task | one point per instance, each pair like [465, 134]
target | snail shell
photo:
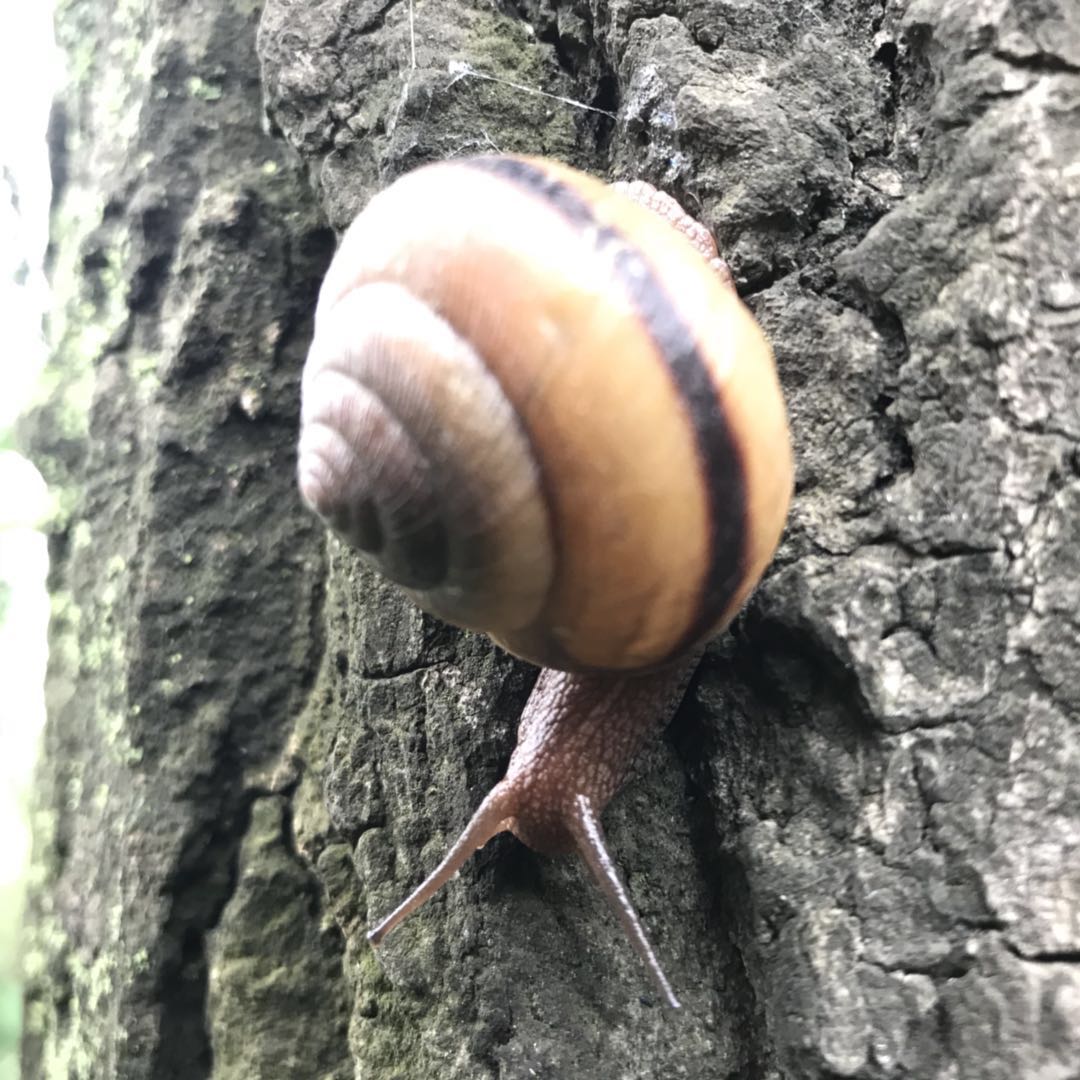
[532, 403]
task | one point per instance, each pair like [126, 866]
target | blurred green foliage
[14, 788]
[10, 1023]
[11, 909]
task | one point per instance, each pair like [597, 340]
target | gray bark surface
[174, 923]
[857, 848]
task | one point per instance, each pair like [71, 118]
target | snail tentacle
[577, 737]
[589, 838]
[488, 821]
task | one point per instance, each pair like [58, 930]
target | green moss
[81, 536]
[114, 729]
[143, 368]
[248, 8]
[270, 958]
[90, 309]
[65, 617]
[203, 90]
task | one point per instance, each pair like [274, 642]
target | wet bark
[857, 848]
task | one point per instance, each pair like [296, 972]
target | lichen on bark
[185, 579]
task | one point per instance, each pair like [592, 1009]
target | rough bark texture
[857, 849]
[174, 924]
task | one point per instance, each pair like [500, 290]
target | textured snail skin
[536, 402]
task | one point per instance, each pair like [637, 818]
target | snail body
[536, 403]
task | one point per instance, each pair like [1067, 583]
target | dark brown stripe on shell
[718, 451]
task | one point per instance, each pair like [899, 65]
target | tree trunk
[857, 849]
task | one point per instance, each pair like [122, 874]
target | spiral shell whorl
[411, 452]
[593, 464]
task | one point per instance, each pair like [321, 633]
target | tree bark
[857, 849]
[175, 922]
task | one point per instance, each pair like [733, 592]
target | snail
[535, 402]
